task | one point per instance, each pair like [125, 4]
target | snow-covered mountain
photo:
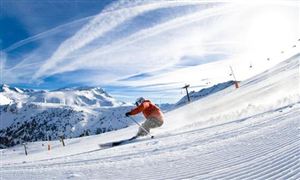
[11, 94]
[95, 97]
[246, 133]
[6, 88]
[29, 115]
[80, 96]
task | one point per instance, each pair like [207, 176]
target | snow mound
[269, 90]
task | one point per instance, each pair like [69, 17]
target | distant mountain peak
[96, 90]
[3, 87]
[7, 88]
[80, 88]
[71, 96]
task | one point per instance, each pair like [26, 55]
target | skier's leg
[154, 123]
[149, 124]
[141, 131]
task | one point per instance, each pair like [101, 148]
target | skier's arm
[139, 109]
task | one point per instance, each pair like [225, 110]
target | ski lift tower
[187, 92]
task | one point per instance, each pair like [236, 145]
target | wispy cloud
[101, 24]
[47, 33]
[193, 42]
[144, 46]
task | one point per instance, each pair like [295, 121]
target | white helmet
[139, 101]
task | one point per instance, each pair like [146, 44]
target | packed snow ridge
[247, 133]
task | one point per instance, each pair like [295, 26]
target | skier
[154, 118]
[153, 115]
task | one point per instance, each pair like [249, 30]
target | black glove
[127, 114]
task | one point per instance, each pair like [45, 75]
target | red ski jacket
[149, 110]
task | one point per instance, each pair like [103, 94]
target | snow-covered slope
[204, 92]
[4, 100]
[246, 133]
[277, 87]
[196, 95]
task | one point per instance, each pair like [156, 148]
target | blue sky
[147, 48]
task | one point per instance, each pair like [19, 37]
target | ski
[121, 142]
[116, 143]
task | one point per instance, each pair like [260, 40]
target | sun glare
[270, 29]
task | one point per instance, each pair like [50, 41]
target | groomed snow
[246, 133]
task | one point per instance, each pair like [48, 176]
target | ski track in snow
[260, 145]
[234, 154]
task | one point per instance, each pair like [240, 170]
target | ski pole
[148, 133]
